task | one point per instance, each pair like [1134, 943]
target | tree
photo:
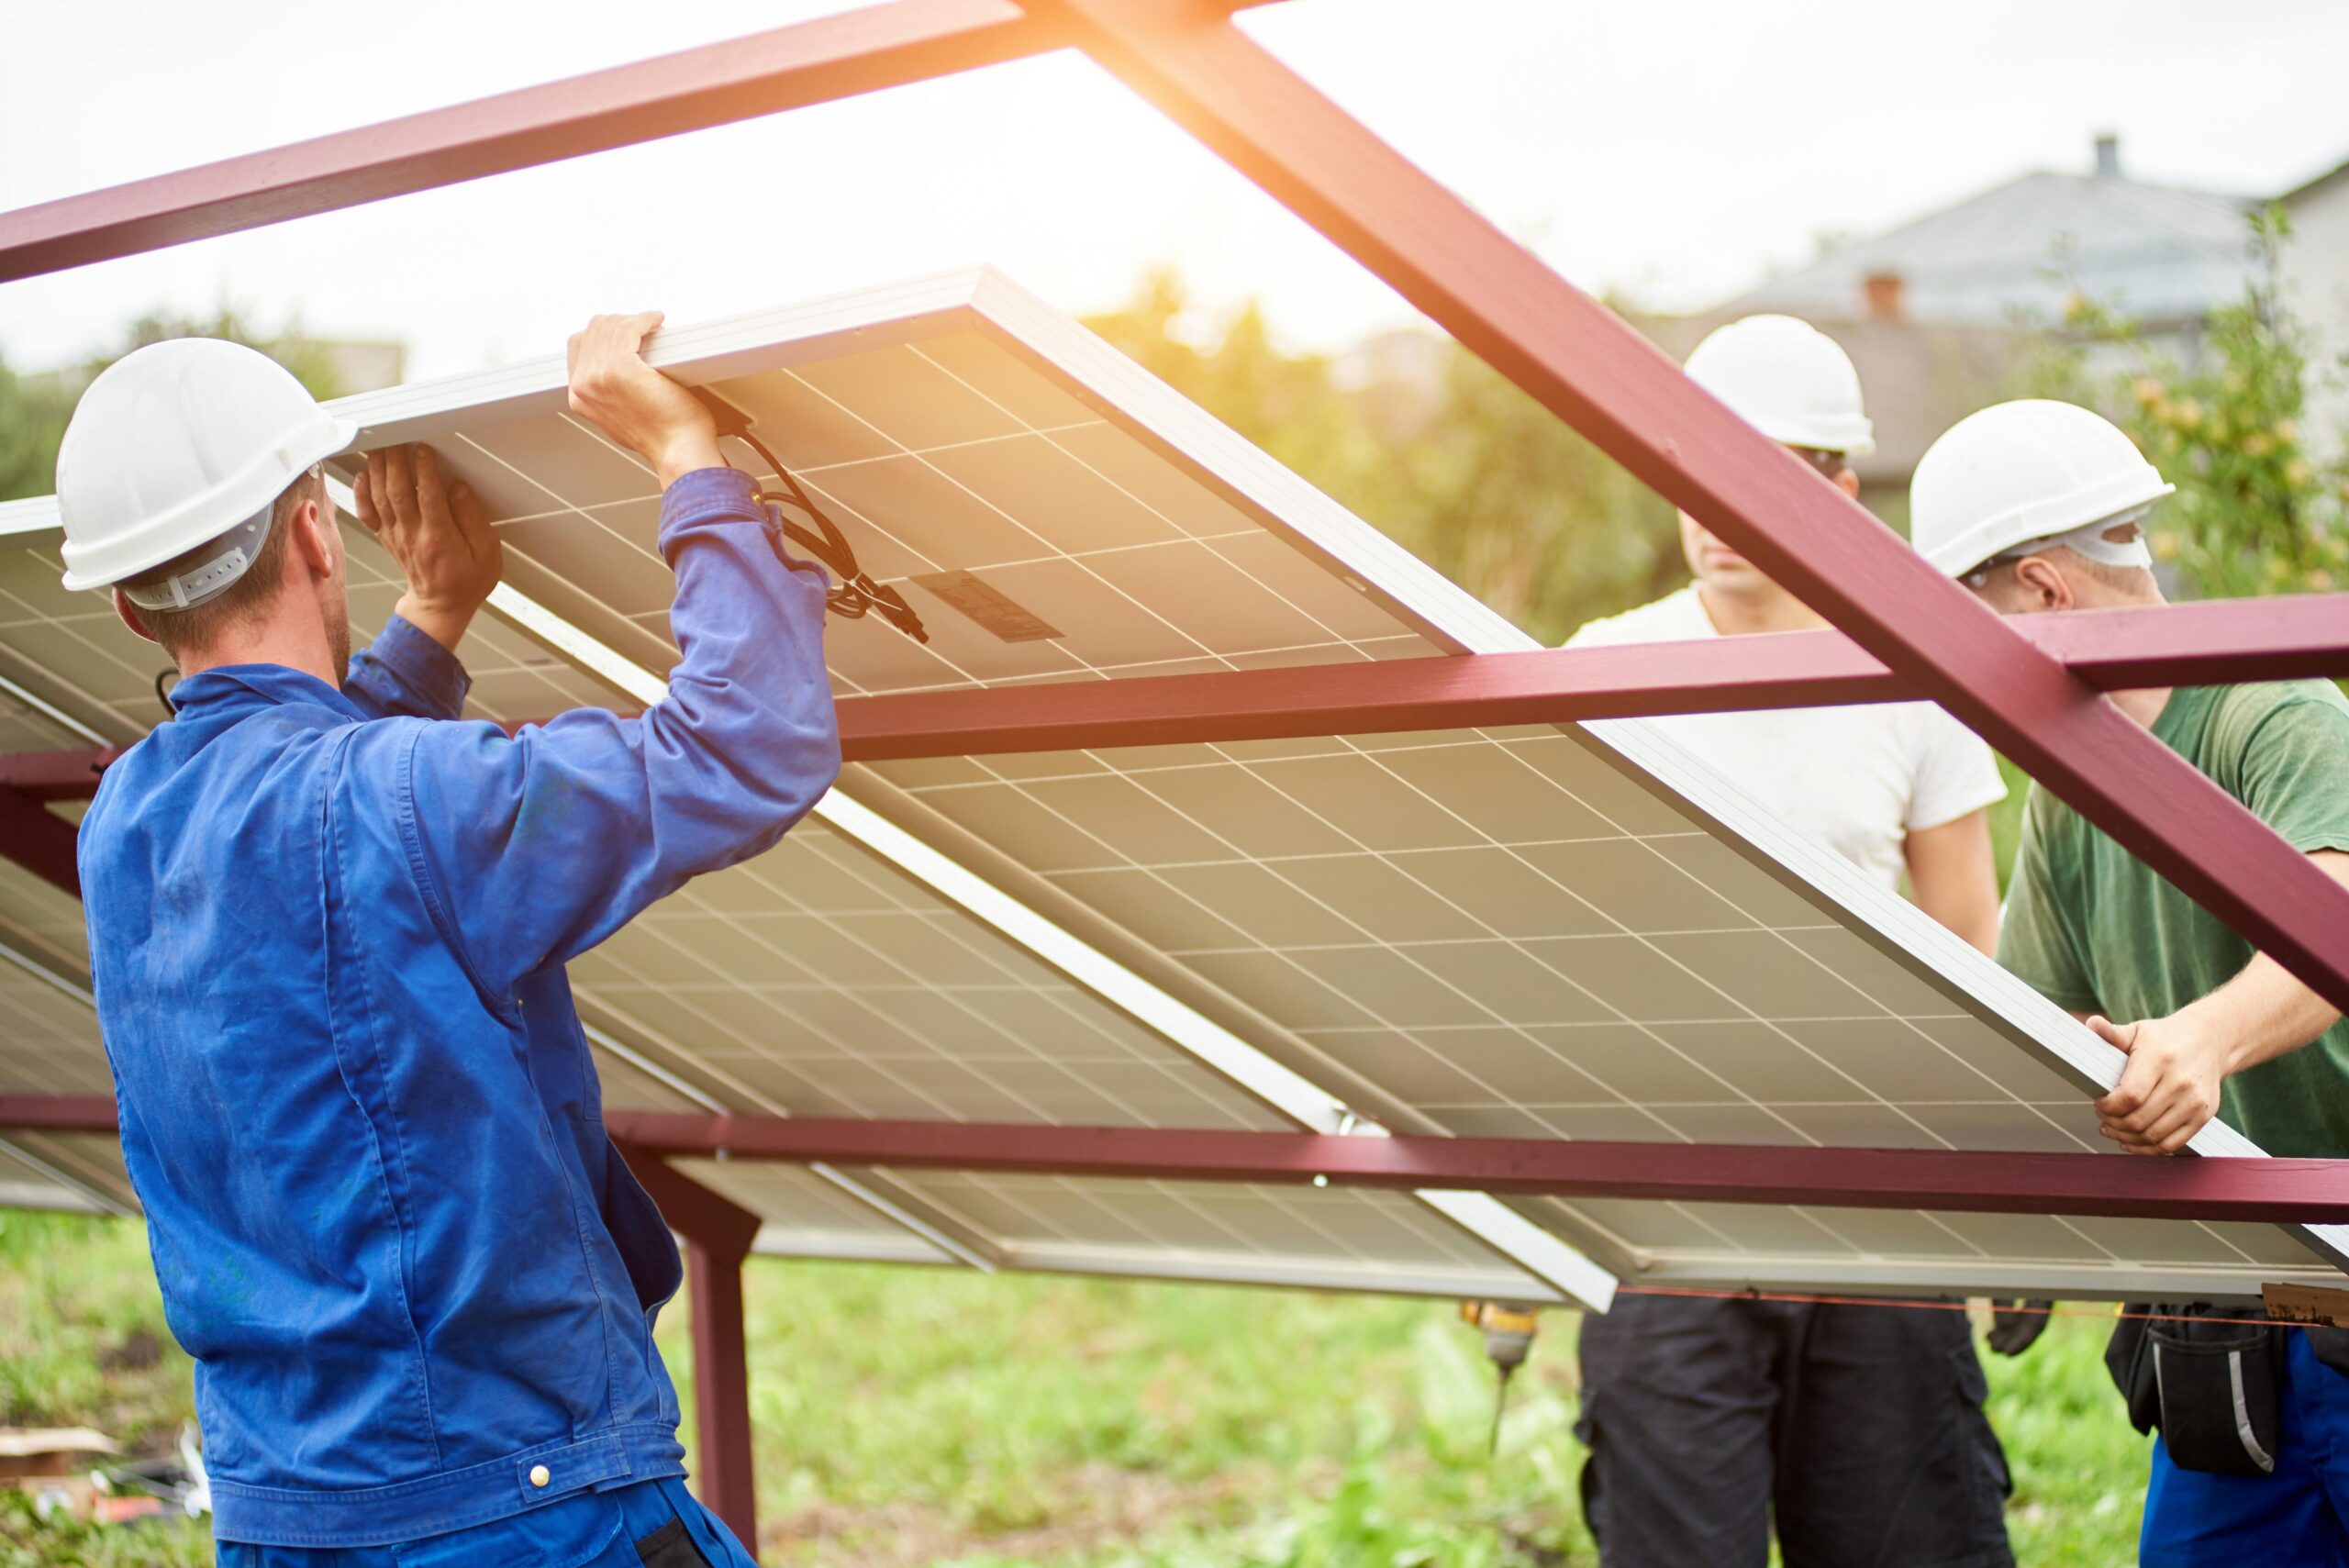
[1443, 454]
[34, 410]
[2256, 511]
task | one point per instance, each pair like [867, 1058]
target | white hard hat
[1787, 379]
[2024, 473]
[177, 444]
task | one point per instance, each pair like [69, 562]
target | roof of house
[2314, 184]
[2160, 252]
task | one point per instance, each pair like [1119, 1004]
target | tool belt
[2215, 1389]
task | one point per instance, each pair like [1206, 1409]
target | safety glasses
[1829, 464]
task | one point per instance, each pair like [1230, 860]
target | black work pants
[1860, 1427]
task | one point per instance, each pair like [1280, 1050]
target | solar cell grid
[819, 980]
[1501, 931]
[73, 1171]
[925, 453]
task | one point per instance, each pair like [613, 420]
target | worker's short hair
[193, 629]
[2121, 578]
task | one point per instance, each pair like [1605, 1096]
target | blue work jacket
[327, 929]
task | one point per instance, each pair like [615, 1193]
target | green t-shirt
[2094, 931]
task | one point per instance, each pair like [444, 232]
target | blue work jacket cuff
[427, 680]
[708, 495]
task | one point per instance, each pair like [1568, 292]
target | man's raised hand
[435, 530]
[636, 406]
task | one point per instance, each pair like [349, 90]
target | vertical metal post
[722, 1390]
[718, 1233]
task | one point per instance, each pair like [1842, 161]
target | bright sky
[1670, 150]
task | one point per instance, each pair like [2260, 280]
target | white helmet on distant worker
[2031, 472]
[1787, 379]
[174, 446]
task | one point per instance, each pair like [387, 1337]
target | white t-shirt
[1859, 779]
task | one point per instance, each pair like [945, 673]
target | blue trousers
[655, 1523]
[2297, 1516]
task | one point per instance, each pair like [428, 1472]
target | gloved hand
[2015, 1328]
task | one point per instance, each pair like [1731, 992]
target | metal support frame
[1593, 370]
[717, 1234]
[2032, 689]
[2244, 1191]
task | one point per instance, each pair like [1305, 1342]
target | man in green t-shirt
[2036, 506]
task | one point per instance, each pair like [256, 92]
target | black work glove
[2014, 1328]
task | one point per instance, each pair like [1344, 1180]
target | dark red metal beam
[1807, 669]
[1587, 365]
[722, 1392]
[2204, 643]
[2209, 642]
[706, 1217]
[718, 1233]
[2310, 1192]
[69, 775]
[811, 62]
[58, 1112]
[2283, 1192]
[2185, 644]
[38, 841]
[858, 52]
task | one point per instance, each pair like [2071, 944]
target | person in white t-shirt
[1857, 1431]
[1896, 788]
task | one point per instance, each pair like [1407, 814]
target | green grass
[907, 1416]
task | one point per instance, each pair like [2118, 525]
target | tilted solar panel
[819, 979]
[1571, 931]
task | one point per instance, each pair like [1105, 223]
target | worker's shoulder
[2244, 716]
[1678, 617]
[269, 750]
[181, 773]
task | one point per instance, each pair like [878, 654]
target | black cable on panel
[854, 594]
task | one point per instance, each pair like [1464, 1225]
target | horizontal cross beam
[2195, 644]
[2198, 644]
[2306, 1192]
[2278, 1192]
[71, 773]
[58, 1112]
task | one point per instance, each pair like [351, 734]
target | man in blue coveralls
[328, 927]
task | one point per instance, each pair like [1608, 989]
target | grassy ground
[909, 1417]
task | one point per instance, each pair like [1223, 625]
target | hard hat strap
[238, 549]
[2088, 542]
[240, 546]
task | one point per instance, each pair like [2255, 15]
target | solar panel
[818, 979]
[1546, 931]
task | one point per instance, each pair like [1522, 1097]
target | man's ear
[316, 536]
[2043, 585]
[1848, 482]
[129, 615]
